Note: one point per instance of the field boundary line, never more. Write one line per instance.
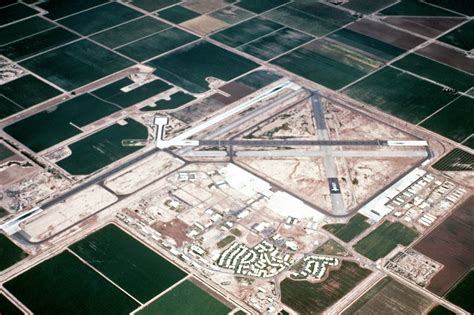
(141, 38)
(437, 111)
(156, 297)
(102, 275)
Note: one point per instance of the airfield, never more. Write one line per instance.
(246, 157)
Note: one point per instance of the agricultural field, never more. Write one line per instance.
(378, 243)
(60, 9)
(15, 12)
(23, 93)
(10, 254)
(461, 37)
(153, 5)
(426, 26)
(157, 44)
(454, 121)
(373, 47)
(176, 100)
(461, 6)
(35, 131)
(22, 29)
(461, 293)
(400, 94)
(3, 212)
(456, 160)
(367, 7)
(452, 244)
(311, 17)
(416, 8)
(131, 31)
(102, 148)
(245, 32)
(188, 67)
(112, 93)
(197, 300)
(231, 15)
(313, 298)
(436, 71)
(76, 64)
(275, 44)
(177, 14)
(65, 285)
(261, 5)
(389, 297)
(327, 63)
(35, 44)
(258, 79)
(100, 18)
(347, 232)
(440, 310)
(128, 263)
(453, 57)
(7, 307)
(5, 152)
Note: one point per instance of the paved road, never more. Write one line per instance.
(307, 153)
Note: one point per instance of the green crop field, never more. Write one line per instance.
(461, 294)
(261, 5)
(157, 44)
(384, 239)
(133, 266)
(311, 17)
(153, 5)
(372, 46)
(24, 28)
(245, 32)
(36, 44)
(36, 133)
(410, 7)
(461, 37)
(313, 298)
(60, 9)
(197, 300)
(176, 100)
(76, 64)
(461, 6)
(389, 297)
(231, 15)
(5, 152)
(188, 67)
(100, 18)
(3, 212)
(15, 12)
(440, 310)
(454, 121)
(177, 14)
(65, 285)
(456, 160)
(367, 7)
(275, 44)
(10, 254)
(327, 63)
(258, 79)
(7, 307)
(347, 232)
(436, 71)
(112, 93)
(400, 94)
(23, 93)
(102, 148)
(131, 31)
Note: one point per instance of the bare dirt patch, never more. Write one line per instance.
(175, 229)
(430, 27)
(448, 56)
(204, 25)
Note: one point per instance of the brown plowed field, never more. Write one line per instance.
(452, 244)
(386, 34)
(454, 58)
(430, 27)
